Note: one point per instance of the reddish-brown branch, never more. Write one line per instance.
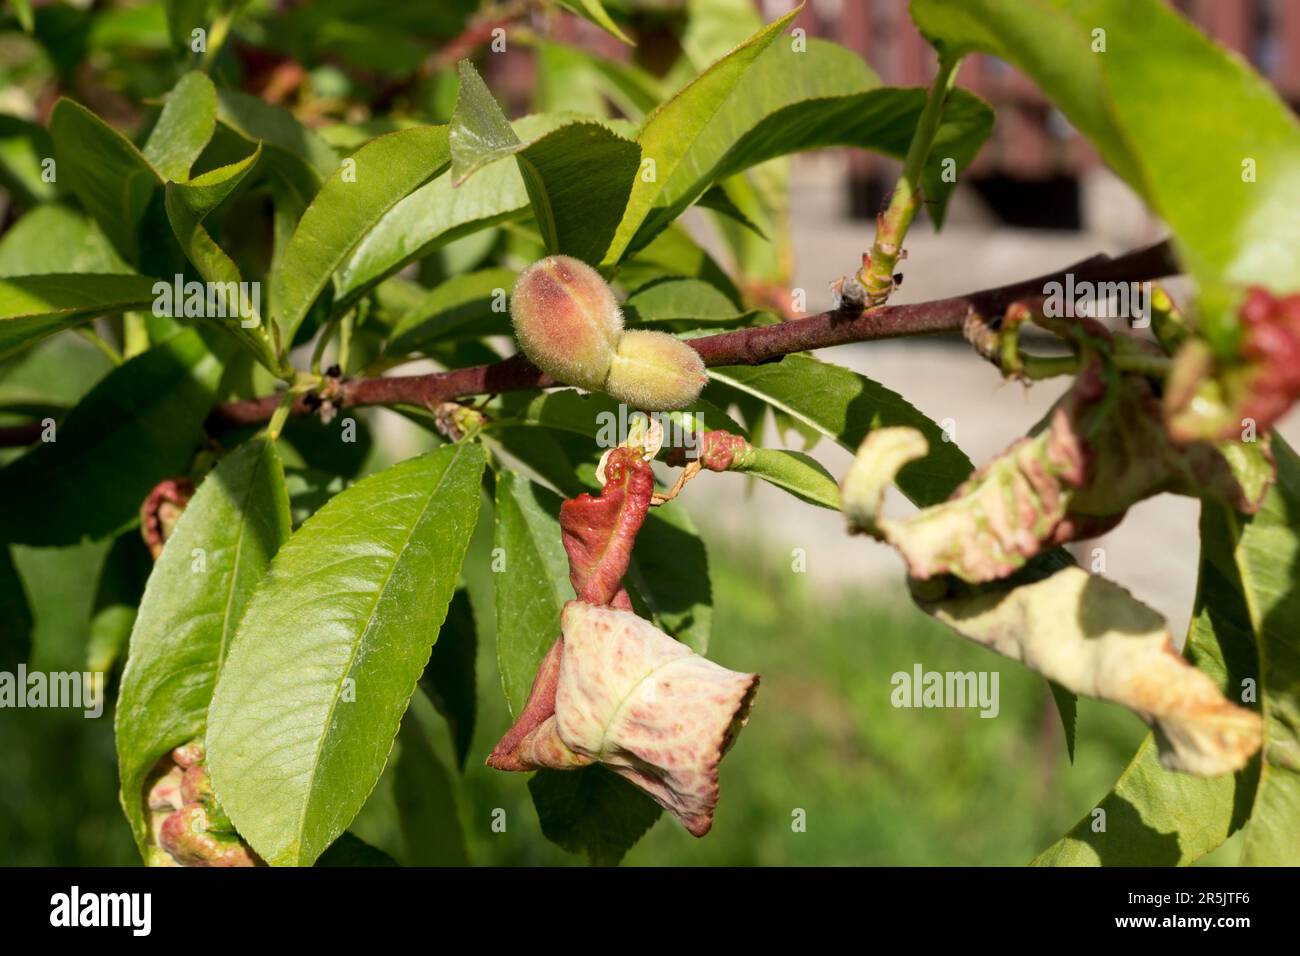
(749, 346)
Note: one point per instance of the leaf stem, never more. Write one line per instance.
(97, 340)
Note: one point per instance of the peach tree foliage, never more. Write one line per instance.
(301, 616)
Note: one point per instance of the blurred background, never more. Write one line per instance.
(823, 617)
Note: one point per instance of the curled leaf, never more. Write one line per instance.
(1209, 399)
(631, 698)
(599, 532)
(161, 510)
(1104, 449)
(1092, 637)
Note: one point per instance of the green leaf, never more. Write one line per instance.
(801, 475)
(282, 136)
(578, 175)
(187, 122)
(768, 99)
(141, 423)
(579, 178)
(1267, 552)
(679, 299)
(592, 811)
(213, 561)
(533, 586)
(844, 406)
(1174, 114)
(674, 253)
(352, 200)
(474, 304)
(121, 583)
(359, 591)
(57, 238)
(595, 11)
(32, 307)
(23, 12)
(479, 134)
(15, 616)
(111, 178)
(1158, 817)
(449, 679)
(426, 803)
(570, 79)
(24, 146)
(439, 213)
(188, 205)
(671, 131)
(669, 572)
(184, 16)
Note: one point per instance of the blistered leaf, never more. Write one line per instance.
(1154, 816)
(1103, 450)
(632, 699)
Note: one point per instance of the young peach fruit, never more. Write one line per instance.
(567, 320)
(654, 371)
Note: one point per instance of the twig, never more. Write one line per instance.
(876, 277)
(749, 346)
